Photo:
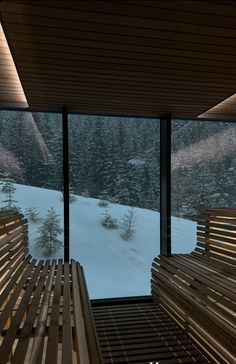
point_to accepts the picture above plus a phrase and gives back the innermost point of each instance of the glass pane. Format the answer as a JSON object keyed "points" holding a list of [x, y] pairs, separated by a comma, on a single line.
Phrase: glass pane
{"points": [[203, 174], [114, 209], [30, 176]]}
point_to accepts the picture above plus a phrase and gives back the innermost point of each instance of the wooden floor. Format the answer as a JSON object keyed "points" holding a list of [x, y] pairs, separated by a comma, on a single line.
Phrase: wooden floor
{"points": [[142, 333]]}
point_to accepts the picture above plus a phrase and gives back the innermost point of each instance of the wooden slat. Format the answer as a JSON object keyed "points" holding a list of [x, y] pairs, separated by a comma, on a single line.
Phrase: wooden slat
{"points": [[67, 345], [11, 227], [45, 313], [157, 339], [11, 266], [11, 256], [80, 334], [7, 311], [38, 340], [202, 274], [106, 29], [22, 345], [107, 41], [52, 346], [214, 297], [102, 49], [93, 344], [159, 11], [15, 273], [116, 19], [222, 268], [11, 332], [176, 312], [8, 216], [198, 290], [201, 316], [218, 243]]}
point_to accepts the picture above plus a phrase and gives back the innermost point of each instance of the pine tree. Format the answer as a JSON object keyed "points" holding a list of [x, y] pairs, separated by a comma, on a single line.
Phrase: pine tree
{"points": [[122, 193], [9, 202], [110, 168], [108, 221], [128, 224], [98, 160], [32, 214], [103, 199], [48, 233], [6, 182], [9, 190]]}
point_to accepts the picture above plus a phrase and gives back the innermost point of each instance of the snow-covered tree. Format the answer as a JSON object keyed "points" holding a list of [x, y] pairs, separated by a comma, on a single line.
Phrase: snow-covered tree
{"points": [[6, 182], [128, 223], [32, 214], [103, 200], [48, 233], [9, 203], [9, 189], [108, 221]]}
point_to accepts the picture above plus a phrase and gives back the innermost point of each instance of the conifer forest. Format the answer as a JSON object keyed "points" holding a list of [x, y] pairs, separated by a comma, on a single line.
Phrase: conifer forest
{"points": [[117, 159]]}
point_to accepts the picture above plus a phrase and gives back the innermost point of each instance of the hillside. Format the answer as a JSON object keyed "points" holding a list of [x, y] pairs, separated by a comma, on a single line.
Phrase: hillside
{"points": [[113, 267]]}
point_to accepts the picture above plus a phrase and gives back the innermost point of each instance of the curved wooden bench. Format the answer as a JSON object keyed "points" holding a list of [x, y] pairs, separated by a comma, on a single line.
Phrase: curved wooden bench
{"points": [[198, 290], [45, 312]]}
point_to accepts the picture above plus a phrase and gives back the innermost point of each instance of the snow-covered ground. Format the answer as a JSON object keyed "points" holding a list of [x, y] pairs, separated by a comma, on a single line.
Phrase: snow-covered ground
{"points": [[113, 267]]}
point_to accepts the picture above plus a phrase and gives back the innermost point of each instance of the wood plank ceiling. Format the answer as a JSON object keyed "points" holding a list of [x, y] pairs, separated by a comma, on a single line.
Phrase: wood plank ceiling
{"points": [[126, 57]]}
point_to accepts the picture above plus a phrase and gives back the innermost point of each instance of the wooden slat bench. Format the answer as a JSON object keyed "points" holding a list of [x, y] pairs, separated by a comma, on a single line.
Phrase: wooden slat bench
{"points": [[198, 290], [45, 312]]}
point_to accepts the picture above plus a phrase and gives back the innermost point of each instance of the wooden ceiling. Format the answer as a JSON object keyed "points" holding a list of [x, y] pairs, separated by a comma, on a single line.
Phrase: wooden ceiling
{"points": [[126, 57]]}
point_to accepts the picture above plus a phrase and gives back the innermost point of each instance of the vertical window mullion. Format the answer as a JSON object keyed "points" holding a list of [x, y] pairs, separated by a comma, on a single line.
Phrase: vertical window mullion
{"points": [[165, 185], [65, 136]]}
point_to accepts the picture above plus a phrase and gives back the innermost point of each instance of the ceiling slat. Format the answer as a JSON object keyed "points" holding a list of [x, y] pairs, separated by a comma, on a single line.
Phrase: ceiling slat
{"points": [[74, 48], [141, 11], [129, 34], [109, 41], [129, 21]]}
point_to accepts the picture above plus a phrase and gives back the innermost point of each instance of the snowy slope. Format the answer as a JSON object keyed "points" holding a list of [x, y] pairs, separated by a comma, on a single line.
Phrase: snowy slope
{"points": [[113, 267]]}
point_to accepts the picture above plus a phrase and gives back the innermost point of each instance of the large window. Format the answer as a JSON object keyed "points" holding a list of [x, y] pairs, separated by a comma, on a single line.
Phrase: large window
{"points": [[114, 202], [114, 189], [30, 176], [203, 167]]}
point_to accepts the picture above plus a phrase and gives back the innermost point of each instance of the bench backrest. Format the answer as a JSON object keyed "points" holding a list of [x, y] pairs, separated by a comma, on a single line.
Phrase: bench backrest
{"points": [[13, 243], [216, 236]]}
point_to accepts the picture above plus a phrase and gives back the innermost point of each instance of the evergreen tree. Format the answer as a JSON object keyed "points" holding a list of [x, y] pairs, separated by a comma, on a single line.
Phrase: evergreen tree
{"points": [[122, 193], [103, 200], [48, 233], [7, 186], [32, 214], [9, 202], [6, 182], [128, 224], [110, 168], [108, 221], [98, 160]]}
